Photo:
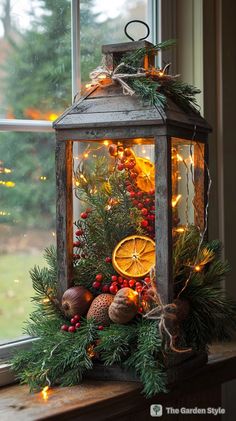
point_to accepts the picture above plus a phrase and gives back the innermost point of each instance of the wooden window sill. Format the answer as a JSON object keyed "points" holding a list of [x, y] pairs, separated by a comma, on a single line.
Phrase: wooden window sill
{"points": [[116, 400]]}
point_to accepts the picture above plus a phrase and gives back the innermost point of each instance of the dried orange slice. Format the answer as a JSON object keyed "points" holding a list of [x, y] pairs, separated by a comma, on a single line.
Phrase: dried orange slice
{"points": [[134, 256], [146, 174]]}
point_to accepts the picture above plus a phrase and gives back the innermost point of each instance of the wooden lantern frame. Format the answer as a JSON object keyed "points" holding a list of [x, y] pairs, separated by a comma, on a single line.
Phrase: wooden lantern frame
{"points": [[105, 113]]}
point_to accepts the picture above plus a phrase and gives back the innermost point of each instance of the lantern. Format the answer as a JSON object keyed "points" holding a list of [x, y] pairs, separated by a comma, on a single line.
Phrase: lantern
{"points": [[163, 154]]}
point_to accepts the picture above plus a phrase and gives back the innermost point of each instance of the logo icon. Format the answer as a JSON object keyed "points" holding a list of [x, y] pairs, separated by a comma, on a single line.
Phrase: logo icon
{"points": [[156, 410]]}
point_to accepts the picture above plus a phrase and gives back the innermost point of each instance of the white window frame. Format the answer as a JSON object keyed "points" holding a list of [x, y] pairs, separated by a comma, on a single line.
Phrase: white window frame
{"points": [[18, 125]]}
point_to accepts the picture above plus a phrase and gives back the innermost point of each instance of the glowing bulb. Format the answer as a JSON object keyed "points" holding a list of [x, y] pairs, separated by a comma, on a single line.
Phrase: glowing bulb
{"points": [[46, 300], [102, 76], [179, 157], [52, 116], [7, 170], [86, 155], [160, 73], [180, 229], [53, 234], [88, 85], [176, 200], [43, 178], [106, 142], [16, 281], [45, 393], [197, 268]]}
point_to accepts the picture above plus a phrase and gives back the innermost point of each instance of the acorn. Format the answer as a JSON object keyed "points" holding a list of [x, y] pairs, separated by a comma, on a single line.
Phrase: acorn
{"points": [[76, 300]]}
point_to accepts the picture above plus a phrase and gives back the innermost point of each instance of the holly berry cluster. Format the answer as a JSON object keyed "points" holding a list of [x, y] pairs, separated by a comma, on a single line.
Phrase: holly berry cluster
{"points": [[79, 233], [75, 324], [143, 201]]}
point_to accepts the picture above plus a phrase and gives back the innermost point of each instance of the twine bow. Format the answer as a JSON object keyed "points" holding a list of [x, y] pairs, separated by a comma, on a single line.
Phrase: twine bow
{"points": [[162, 313], [96, 76]]}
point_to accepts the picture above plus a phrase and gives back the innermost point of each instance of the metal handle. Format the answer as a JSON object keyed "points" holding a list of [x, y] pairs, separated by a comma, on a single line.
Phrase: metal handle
{"points": [[138, 21]]}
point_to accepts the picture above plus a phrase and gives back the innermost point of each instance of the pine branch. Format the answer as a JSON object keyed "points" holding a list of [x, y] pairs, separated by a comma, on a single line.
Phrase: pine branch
{"points": [[61, 357], [146, 359], [115, 342], [134, 59]]}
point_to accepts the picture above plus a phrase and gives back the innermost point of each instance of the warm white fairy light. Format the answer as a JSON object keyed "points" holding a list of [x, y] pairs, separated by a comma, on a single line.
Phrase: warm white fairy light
{"points": [[176, 200]]}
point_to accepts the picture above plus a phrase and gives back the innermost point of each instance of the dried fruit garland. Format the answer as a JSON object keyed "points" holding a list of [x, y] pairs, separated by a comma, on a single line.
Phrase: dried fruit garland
{"points": [[101, 317]]}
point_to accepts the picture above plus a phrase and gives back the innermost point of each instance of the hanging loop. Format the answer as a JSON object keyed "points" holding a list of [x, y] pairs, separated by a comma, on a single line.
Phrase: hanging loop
{"points": [[138, 21]]}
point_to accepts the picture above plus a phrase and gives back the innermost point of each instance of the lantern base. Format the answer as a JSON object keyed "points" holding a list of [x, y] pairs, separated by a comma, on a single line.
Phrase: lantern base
{"points": [[179, 367]]}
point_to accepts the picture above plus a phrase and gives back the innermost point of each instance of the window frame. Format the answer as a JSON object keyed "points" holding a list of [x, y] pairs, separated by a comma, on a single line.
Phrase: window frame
{"points": [[18, 125]]}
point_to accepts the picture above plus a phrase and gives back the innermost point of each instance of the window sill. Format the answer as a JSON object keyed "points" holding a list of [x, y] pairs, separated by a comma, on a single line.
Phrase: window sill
{"points": [[115, 400]]}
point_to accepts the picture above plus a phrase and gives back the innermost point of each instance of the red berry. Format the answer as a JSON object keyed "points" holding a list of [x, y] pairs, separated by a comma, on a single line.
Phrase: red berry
{"points": [[77, 244], [132, 282], [120, 167], [79, 232], [140, 310], [77, 326], [135, 202], [150, 229], [120, 280], [64, 327], [144, 211], [132, 194], [147, 280], [133, 174], [71, 329], [76, 317], [84, 215], [144, 223], [76, 256], [105, 288], [130, 165], [100, 327], [140, 194], [129, 188], [114, 278], [113, 289], [152, 208], [125, 283], [140, 205], [73, 321], [127, 152], [138, 289], [96, 285], [99, 277], [151, 192], [108, 259], [138, 284], [147, 200]]}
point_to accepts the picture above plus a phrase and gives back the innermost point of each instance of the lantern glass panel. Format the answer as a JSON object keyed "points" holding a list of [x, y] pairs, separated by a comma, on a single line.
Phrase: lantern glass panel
{"points": [[117, 176], [187, 159]]}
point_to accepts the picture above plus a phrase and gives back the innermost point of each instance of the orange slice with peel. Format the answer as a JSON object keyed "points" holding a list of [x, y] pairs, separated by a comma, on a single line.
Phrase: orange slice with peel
{"points": [[134, 256], [146, 174]]}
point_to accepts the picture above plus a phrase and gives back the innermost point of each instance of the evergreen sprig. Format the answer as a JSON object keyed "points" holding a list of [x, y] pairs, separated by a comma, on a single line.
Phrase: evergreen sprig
{"points": [[147, 359]]}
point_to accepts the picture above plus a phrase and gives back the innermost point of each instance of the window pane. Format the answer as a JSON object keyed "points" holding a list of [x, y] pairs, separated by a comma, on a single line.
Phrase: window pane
{"points": [[27, 221], [103, 22], [35, 63]]}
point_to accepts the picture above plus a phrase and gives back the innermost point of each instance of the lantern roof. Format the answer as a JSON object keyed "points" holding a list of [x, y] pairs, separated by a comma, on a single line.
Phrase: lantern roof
{"points": [[107, 105]]}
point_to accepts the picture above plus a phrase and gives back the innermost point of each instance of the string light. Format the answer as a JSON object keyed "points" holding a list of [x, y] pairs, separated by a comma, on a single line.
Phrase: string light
{"points": [[43, 178], [86, 154], [197, 268], [45, 393], [8, 183], [176, 200], [180, 229], [88, 85], [45, 300], [106, 142], [3, 213], [90, 351], [5, 170], [179, 157]]}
